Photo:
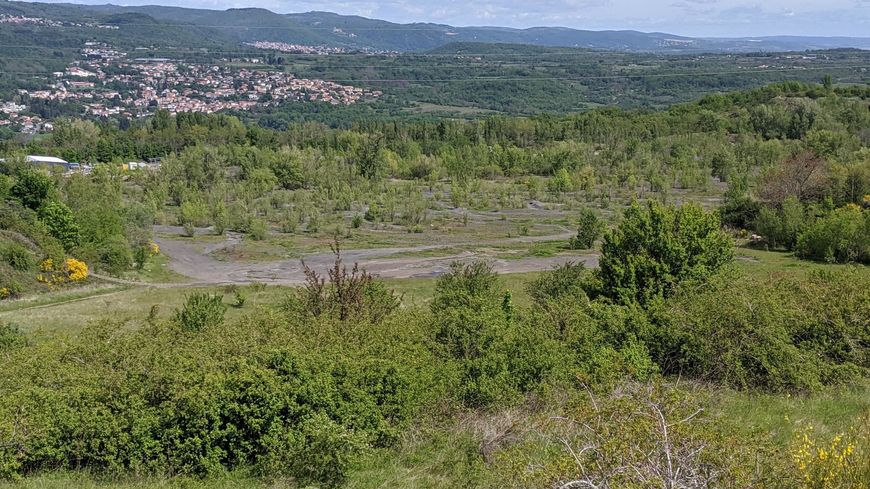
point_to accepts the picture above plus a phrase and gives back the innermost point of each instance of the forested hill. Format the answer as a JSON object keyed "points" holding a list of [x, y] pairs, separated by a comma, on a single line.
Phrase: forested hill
{"points": [[324, 28]]}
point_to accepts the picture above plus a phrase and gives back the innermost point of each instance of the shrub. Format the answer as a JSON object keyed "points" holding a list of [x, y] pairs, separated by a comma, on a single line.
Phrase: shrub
{"points": [[739, 213], [656, 247], [115, 255], [565, 280], [346, 295], [200, 311], [842, 236], [496, 357], [841, 462], [776, 333], [17, 256], [560, 182], [288, 172], [76, 271], [258, 230], [11, 337]]}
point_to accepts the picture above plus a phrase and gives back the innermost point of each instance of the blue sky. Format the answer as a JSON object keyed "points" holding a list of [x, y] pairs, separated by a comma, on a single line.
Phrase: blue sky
{"points": [[712, 18]]}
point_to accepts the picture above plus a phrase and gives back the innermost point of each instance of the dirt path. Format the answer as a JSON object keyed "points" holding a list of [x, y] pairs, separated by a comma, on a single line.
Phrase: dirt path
{"points": [[193, 260]]}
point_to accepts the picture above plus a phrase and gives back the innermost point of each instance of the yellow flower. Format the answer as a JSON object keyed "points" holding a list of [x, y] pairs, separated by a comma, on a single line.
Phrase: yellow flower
{"points": [[154, 249], [76, 270], [47, 265]]}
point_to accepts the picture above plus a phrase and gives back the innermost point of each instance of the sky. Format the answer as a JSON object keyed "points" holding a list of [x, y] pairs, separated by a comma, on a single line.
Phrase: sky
{"points": [[699, 18]]}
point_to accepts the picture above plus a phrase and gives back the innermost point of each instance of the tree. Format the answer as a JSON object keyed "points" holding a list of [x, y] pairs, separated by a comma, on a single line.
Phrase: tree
{"points": [[32, 188], [802, 175], [588, 230], [656, 247], [61, 224], [288, 170]]}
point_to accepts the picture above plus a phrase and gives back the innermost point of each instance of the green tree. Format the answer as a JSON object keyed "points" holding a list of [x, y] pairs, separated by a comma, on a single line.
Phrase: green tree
{"points": [[656, 247], [32, 188], [588, 230], [61, 223]]}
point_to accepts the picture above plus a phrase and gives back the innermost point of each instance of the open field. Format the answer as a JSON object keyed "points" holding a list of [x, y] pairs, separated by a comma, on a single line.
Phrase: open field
{"points": [[68, 311]]}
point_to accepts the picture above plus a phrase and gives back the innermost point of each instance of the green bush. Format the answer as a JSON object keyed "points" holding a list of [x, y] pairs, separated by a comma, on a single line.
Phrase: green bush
{"points": [[265, 394], [258, 230], [842, 236], [115, 255], [776, 334], [200, 311], [17, 256], [32, 188], [11, 338], [566, 280], [496, 357], [656, 247]]}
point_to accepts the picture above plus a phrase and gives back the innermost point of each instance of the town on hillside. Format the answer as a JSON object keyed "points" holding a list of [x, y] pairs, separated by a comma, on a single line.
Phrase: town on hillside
{"points": [[109, 83]]}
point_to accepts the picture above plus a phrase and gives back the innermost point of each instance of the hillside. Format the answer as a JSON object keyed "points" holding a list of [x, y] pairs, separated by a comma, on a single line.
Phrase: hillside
{"points": [[203, 27]]}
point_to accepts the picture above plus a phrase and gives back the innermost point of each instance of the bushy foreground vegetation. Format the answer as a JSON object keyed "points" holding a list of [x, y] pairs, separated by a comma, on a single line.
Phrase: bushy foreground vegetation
{"points": [[314, 388]]}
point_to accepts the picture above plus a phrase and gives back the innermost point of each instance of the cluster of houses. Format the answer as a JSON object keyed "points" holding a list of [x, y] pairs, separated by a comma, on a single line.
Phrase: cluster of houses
{"points": [[296, 48], [17, 117], [24, 20], [106, 83]]}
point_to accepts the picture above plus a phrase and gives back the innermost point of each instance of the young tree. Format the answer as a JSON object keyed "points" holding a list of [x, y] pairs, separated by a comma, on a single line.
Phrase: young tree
{"points": [[61, 224], [588, 230]]}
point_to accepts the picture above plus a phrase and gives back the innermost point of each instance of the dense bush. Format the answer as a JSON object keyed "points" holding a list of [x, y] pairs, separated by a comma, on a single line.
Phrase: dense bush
{"points": [[61, 224], [842, 236], [17, 256], [656, 247], [497, 358], [287, 397], [200, 311], [32, 188], [775, 333]]}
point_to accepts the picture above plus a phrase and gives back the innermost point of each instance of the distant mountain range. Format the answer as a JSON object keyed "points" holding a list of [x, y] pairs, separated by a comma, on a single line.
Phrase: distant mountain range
{"points": [[234, 26]]}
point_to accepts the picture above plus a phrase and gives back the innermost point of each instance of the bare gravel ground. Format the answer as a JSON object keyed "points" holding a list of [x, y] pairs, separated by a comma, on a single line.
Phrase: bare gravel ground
{"points": [[193, 260]]}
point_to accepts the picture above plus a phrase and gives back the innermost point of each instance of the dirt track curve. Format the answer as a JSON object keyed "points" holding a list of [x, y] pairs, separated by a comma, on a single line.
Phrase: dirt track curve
{"points": [[194, 261]]}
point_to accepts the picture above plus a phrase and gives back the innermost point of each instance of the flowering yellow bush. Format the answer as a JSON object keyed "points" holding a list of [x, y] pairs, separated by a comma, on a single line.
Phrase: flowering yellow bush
{"points": [[5, 293], [154, 249], [76, 270], [73, 271], [823, 465]]}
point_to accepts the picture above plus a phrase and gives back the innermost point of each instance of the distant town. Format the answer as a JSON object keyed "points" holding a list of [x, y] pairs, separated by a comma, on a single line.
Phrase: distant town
{"points": [[109, 83]]}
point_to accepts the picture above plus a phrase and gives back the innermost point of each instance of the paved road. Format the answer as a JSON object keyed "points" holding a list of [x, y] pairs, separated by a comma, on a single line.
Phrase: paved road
{"points": [[193, 260]]}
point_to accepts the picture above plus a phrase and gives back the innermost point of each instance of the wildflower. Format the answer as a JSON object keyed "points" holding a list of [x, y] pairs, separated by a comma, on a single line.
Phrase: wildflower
{"points": [[76, 270]]}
